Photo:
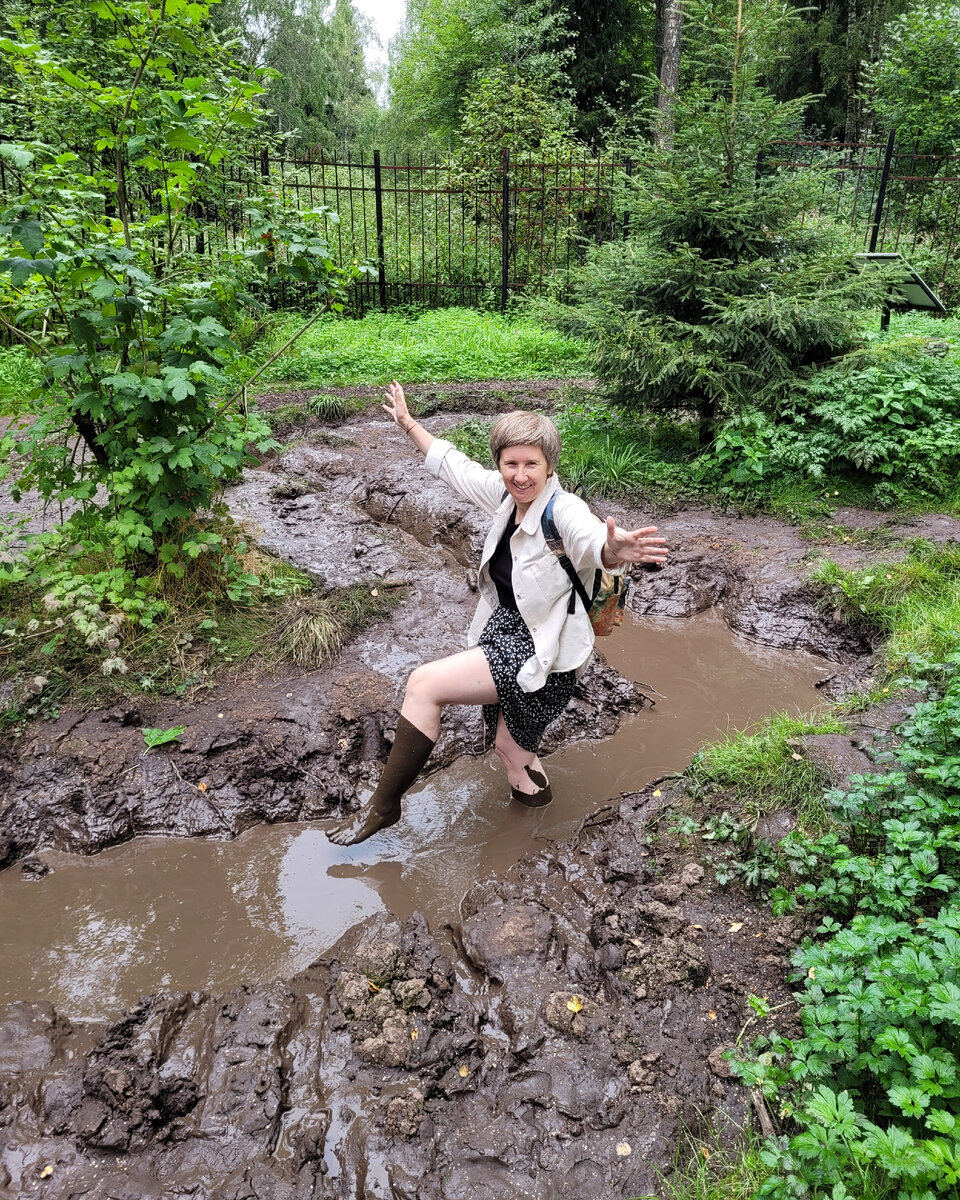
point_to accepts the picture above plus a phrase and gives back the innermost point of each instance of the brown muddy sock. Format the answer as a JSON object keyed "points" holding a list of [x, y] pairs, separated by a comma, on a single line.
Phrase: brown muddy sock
{"points": [[408, 756], [537, 799]]}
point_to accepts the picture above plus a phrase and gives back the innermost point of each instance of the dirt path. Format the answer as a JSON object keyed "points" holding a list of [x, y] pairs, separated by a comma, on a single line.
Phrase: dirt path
{"points": [[553, 1044]]}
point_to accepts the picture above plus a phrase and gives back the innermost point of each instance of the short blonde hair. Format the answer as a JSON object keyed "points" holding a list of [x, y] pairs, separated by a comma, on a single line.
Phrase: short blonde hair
{"points": [[526, 429]]}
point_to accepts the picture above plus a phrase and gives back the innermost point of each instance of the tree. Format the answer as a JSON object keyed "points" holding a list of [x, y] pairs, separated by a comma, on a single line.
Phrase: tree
{"points": [[671, 31], [445, 49], [97, 281], [319, 94], [915, 84], [723, 292]]}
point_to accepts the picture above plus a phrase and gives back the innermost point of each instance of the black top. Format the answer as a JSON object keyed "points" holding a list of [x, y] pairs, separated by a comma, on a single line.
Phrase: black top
{"points": [[501, 566]]}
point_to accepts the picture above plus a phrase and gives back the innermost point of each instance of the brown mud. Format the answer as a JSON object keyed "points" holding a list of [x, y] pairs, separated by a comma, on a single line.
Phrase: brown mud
{"points": [[553, 1042]]}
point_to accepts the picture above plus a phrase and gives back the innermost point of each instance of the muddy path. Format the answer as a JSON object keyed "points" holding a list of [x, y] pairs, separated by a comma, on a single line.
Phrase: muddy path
{"points": [[551, 1042]]}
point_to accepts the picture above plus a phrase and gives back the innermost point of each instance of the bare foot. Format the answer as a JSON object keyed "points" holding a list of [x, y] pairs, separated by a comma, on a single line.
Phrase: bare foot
{"points": [[362, 825]]}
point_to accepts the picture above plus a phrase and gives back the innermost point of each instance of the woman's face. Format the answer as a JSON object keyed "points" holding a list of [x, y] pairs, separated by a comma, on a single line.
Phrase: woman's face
{"points": [[524, 471]]}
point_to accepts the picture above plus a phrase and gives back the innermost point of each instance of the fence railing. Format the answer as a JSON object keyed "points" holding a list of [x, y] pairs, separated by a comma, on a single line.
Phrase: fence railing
{"points": [[439, 232]]}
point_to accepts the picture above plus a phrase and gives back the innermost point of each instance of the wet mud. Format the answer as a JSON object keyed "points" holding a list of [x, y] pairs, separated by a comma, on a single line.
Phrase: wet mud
{"points": [[551, 1039]]}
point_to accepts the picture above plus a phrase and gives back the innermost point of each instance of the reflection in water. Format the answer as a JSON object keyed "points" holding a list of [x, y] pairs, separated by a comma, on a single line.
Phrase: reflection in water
{"points": [[159, 912]]}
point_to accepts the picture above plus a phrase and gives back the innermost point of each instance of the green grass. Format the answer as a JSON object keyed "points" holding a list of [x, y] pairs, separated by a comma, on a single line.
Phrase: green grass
{"points": [[450, 344], [914, 603], [706, 1171], [761, 767]]}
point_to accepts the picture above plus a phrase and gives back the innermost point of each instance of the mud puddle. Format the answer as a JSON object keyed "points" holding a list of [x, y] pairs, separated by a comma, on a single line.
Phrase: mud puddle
{"points": [[96, 933]]}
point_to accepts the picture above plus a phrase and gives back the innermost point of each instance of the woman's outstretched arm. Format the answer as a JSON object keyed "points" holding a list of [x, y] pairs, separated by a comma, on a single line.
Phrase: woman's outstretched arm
{"points": [[395, 403]]}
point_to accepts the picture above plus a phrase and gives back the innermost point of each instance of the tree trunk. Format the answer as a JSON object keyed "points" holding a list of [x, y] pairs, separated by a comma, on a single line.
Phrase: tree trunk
{"points": [[707, 433], [672, 26]]}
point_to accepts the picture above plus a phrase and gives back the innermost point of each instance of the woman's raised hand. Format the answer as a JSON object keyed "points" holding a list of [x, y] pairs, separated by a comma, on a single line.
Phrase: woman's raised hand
{"points": [[396, 405], [633, 546]]}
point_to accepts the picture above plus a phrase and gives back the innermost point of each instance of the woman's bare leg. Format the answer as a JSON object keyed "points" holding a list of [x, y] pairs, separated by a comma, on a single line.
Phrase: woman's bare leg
{"points": [[460, 679], [519, 763]]}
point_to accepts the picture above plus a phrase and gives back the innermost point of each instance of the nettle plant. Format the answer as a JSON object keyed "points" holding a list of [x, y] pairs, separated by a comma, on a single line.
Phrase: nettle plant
{"points": [[134, 427]]}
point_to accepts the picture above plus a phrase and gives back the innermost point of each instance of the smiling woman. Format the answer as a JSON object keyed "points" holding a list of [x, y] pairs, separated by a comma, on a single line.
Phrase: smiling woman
{"points": [[530, 636]]}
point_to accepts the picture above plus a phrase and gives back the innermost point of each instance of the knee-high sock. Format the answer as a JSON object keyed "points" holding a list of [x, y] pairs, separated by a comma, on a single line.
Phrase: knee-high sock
{"points": [[408, 756]]}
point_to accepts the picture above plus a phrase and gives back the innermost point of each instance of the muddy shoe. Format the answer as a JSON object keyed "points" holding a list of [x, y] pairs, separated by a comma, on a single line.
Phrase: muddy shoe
{"points": [[362, 825], [538, 799], [533, 799]]}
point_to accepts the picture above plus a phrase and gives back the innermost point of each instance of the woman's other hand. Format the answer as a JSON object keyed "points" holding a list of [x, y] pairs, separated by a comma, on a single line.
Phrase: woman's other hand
{"points": [[633, 546], [396, 405]]}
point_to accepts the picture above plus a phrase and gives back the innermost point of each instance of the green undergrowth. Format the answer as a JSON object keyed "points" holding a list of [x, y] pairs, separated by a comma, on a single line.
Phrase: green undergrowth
{"points": [[78, 629], [434, 346], [763, 765], [866, 1096]]}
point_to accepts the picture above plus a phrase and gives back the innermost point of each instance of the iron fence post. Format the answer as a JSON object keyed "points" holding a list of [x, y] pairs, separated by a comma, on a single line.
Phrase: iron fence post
{"points": [[378, 204], [504, 228], [628, 172], [882, 193]]}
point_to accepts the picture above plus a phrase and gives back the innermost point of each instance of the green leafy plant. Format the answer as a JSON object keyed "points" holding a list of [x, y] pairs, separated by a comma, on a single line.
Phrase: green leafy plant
{"points": [[162, 737]]}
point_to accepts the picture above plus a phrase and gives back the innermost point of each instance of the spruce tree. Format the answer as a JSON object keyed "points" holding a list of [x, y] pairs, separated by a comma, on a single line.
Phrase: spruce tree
{"points": [[725, 288]]}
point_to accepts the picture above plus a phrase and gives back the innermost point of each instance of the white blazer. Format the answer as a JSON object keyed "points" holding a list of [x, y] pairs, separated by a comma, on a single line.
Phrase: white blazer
{"points": [[562, 641]]}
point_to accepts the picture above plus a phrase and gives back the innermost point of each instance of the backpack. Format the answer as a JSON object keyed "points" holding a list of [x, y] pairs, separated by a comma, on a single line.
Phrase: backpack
{"points": [[605, 606]]}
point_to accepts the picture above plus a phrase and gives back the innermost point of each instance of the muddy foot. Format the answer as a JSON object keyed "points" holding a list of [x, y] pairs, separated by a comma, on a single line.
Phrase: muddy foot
{"points": [[362, 825]]}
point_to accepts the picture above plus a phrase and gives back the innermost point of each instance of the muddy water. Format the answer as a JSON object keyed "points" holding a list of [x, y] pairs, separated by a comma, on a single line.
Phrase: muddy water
{"points": [[96, 933]]}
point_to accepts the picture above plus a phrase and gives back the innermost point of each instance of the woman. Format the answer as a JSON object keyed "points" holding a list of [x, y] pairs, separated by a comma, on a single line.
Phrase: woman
{"points": [[526, 646]]}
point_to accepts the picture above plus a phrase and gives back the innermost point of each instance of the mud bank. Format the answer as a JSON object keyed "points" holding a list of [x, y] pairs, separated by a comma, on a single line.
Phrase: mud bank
{"points": [[552, 1042], [558, 1053]]}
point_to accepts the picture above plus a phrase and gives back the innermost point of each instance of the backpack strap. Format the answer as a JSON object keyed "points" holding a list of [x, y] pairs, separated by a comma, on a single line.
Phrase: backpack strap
{"points": [[555, 543]]}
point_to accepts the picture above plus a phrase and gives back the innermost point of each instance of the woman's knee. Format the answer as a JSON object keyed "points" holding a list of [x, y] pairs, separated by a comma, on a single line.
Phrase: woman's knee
{"points": [[420, 683]]}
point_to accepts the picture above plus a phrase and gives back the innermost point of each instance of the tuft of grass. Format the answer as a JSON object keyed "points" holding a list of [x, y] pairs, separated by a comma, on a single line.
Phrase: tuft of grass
{"points": [[198, 639], [317, 627], [709, 1170], [436, 346], [760, 765], [329, 408], [915, 603]]}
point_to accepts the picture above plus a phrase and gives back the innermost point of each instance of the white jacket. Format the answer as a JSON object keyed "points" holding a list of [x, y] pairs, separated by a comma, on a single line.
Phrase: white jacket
{"points": [[563, 641]]}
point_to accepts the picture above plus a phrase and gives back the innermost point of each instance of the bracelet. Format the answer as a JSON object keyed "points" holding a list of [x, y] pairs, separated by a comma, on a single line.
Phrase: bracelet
{"points": [[407, 428]]}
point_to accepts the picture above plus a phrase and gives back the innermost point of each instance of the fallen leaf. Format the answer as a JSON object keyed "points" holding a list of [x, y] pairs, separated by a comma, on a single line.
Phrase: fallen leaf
{"points": [[373, 987], [796, 757], [758, 935], [736, 927], [658, 792], [575, 1005], [711, 1015], [201, 787], [374, 592], [220, 716], [812, 973], [623, 1149], [696, 926], [464, 1072], [414, 1034], [705, 1152], [47, 1171]]}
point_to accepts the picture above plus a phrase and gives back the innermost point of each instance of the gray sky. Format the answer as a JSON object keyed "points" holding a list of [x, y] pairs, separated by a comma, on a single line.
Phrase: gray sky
{"points": [[386, 16]]}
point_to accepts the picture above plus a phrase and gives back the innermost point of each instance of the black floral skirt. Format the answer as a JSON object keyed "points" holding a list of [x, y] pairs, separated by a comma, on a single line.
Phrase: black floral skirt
{"points": [[507, 644]]}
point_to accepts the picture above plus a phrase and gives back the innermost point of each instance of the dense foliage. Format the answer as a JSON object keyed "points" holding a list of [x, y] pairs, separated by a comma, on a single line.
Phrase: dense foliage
{"points": [[873, 1082]]}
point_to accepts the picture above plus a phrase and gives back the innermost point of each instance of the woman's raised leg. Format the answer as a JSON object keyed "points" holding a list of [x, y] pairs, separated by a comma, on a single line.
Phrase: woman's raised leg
{"points": [[460, 679]]}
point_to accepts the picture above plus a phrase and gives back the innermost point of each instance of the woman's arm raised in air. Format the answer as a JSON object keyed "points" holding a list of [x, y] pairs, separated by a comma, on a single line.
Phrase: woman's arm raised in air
{"points": [[395, 403]]}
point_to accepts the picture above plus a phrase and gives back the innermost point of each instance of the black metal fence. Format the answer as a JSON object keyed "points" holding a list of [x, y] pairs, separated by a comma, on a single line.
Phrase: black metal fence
{"points": [[441, 233]]}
